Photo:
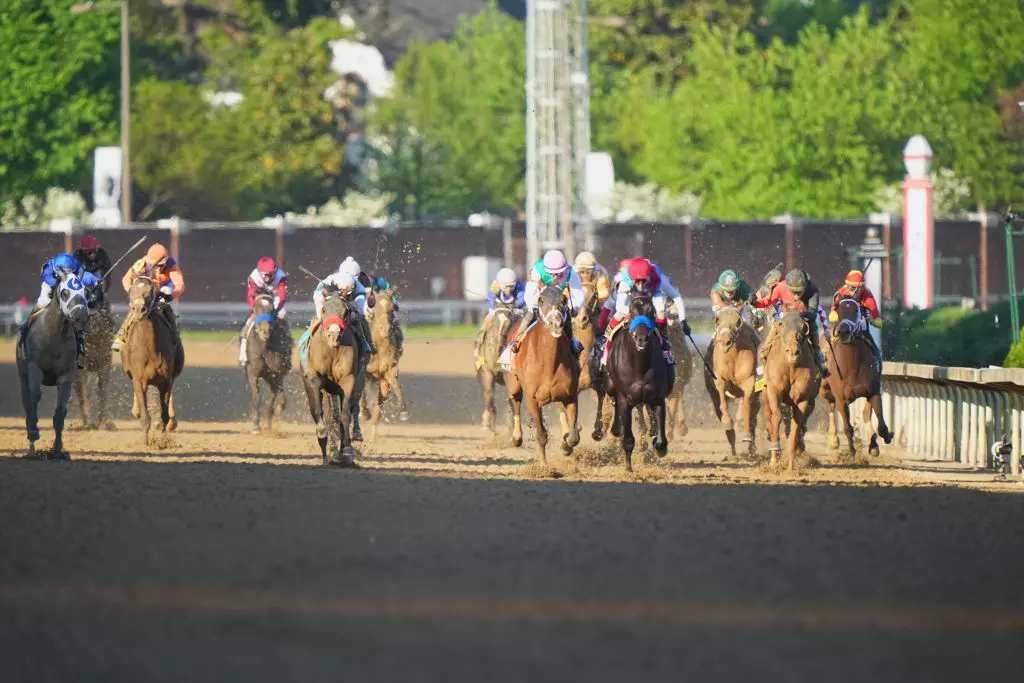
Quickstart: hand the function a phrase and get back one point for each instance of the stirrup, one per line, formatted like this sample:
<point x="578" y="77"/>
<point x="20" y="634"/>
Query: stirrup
<point x="760" y="384"/>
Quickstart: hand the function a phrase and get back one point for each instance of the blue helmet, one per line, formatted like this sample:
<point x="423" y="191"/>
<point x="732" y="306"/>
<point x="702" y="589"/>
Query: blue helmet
<point x="65" y="262"/>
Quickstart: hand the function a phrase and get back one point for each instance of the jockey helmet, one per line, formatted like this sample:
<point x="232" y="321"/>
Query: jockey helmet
<point x="156" y="255"/>
<point x="266" y="266"/>
<point x="855" y="278"/>
<point x="506" y="278"/>
<point x="639" y="271"/>
<point x="555" y="263"/>
<point x="585" y="261"/>
<point x="796" y="281"/>
<point x="346" y="283"/>
<point x="624" y="264"/>
<point x="773" y="277"/>
<point x="65" y="263"/>
<point x="729" y="281"/>
<point x="90" y="242"/>
<point x="350" y="267"/>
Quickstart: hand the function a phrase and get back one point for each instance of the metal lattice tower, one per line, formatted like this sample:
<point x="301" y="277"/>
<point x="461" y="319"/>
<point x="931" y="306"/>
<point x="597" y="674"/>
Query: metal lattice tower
<point x="557" y="127"/>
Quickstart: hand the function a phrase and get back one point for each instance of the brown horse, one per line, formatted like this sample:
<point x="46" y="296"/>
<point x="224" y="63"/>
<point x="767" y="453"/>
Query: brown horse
<point x="791" y="379"/>
<point x="152" y="354"/>
<point x="383" y="367"/>
<point x="545" y="370"/>
<point x="853" y="376"/>
<point x="99" y="333"/>
<point x="675" y="412"/>
<point x="495" y="339"/>
<point x="329" y="357"/>
<point x="732" y="354"/>
<point x="268" y="358"/>
<point x="584" y="325"/>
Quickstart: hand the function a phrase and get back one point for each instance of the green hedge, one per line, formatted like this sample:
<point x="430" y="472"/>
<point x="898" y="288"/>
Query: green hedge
<point x="949" y="336"/>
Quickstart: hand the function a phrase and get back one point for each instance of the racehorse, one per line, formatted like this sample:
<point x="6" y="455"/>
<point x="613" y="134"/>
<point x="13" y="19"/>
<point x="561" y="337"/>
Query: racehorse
<point x="330" y="363"/>
<point x="99" y="333"/>
<point x="383" y="367"/>
<point x="545" y="370"/>
<point x="675" y="412"/>
<point x="791" y="379"/>
<point x="495" y="339"/>
<point x="47" y="356"/>
<point x="859" y="378"/>
<point x="732" y="354"/>
<point x="638" y="375"/>
<point x="152" y="354"/>
<point x="584" y="329"/>
<point x="268" y="357"/>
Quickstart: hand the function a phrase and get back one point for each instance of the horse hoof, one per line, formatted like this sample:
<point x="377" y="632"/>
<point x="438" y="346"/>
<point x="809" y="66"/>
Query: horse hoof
<point x="748" y="438"/>
<point x="256" y="429"/>
<point x="108" y="425"/>
<point x="874" y="451"/>
<point x="661" y="449"/>
<point x="403" y="416"/>
<point x="58" y="455"/>
<point x="517" y="442"/>
<point x="321" y="430"/>
<point x="33" y="454"/>
<point x="172" y="425"/>
<point x="566" y="450"/>
<point x="597" y="435"/>
<point x="357" y="434"/>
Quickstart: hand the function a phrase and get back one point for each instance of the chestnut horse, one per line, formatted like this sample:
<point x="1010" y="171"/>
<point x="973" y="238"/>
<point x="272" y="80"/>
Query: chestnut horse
<point x="733" y="357"/>
<point x="383" y="366"/>
<point x="859" y="378"/>
<point x="584" y="325"/>
<point x="152" y="355"/>
<point x="791" y="379"/>
<point x="545" y="370"/>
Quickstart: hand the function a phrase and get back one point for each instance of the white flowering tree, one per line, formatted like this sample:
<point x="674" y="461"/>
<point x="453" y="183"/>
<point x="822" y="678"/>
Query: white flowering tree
<point x="356" y="209"/>
<point x="951" y="197"/>
<point x="649" y="202"/>
<point x="35" y="213"/>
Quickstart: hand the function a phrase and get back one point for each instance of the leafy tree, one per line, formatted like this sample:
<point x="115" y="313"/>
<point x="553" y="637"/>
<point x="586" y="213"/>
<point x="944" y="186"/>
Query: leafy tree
<point x="60" y="97"/>
<point x="454" y="125"/>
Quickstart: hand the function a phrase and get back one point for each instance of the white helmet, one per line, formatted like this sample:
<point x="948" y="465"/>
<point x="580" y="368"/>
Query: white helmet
<point x="506" y="277"/>
<point x="345" y="282"/>
<point x="350" y="267"/>
<point x="585" y="261"/>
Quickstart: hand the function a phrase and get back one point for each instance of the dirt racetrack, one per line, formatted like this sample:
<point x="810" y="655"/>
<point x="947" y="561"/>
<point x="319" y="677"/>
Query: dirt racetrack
<point x="230" y="556"/>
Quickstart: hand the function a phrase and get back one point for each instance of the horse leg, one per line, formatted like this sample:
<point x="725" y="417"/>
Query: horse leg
<point x="61" y="412"/>
<point x="774" y="416"/>
<point x="364" y="403"/>
<point x="567" y="412"/>
<point x="383" y="391"/>
<point x="752" y="405"/>
<point x="538" y="425"/>
<point x="78" y="385"/>
<point x="31" y="392"/>
<point x="358" y="387"/>
<point x="396" y="385"/>
<point x="624" y="417"/>
<point x="723" y="404"/>
<point x="671" y="409"/>
<point x="143" y="409"/>
<point x="254" y="398"/>
<point x="172" y="422"/>
<point x="102" y="377"/>
<point x="680" y="412"/>
<point x="598" y="432"/>
<point x="616" y="417"/>
<point x="658" y="423"/>
<point x="515" y="408"/>
<point x="883" y="428"/>
<point x="165" y="410"/>
<point x="343" y="416"/>
<point x="833" y="433"/>
<point x="314" y="398"/>
<point x="487" y="387"/>
<point x="844" y="412"/>
<point x="642" y="419"/>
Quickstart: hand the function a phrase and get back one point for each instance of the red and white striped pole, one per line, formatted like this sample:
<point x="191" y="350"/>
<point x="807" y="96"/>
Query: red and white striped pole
<point x="918" y="224"/>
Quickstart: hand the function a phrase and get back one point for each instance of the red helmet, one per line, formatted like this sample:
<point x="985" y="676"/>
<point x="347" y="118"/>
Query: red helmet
<point x="90" y="242"/>
<point x="266" y="265"/>
<point x="639" y="269"/>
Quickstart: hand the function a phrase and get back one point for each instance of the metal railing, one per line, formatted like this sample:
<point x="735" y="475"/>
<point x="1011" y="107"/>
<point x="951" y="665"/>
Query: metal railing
<point x="955" y="414"/>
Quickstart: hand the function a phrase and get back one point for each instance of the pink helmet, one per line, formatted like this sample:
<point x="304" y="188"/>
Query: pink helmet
<point x="555" y="263"/>
<point x="266" y="265"/>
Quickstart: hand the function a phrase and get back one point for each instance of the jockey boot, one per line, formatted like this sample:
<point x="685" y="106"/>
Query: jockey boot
<point x="80" y="348"/>
<point x="819" y="357"/>
<point x="576" y="344"/>
<point x="126" y="326"/>
<point x="367" y="334"/>
<point x="531" y="315"/>
<point x="875" y="351"/>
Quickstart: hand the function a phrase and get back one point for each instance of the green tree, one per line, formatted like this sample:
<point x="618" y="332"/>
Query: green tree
<point x="454" y="125"/>
<point x="60" y="97"/>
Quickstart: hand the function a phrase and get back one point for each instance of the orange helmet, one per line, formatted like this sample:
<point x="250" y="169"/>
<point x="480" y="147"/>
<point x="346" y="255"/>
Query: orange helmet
<point x="156" y="255"/>
<point x="855" y="278"/>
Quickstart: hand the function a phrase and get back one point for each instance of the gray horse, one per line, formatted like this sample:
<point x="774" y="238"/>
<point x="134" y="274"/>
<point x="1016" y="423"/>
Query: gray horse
<point x="47" y="356"/>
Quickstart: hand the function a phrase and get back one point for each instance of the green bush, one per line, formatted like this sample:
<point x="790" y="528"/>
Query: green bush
<point x="1015" y="357"/>
<point x="948" y="336"/>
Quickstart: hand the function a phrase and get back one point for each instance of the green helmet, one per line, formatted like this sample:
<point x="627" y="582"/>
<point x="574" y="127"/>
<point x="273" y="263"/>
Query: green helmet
<point x="796" y="281"/>
<point x="729" y="281"/>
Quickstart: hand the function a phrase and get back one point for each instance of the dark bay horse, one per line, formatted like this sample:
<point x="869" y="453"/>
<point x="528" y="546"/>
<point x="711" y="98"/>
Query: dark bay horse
<point x="47" y="355"/>
<point x="152" y="355"/>
<point x="791" y="380"/>
<point x="859" y="378"/>
<point x="330" y="363"/>
<point x="545" y="370"/>
<point x="495" y="339"/>
<point x="638" y="375"/>
<point x="733" y="357"/>
<point x="99" y="333"/>
<point x="268" y="357"/>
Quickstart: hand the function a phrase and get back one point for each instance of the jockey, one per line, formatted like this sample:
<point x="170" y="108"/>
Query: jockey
<point x="355" y="293"/>
<point x="553" y="269"/>
<point x="609" y="303"/>
<point x="158" y="265"/>
<point x="795" y="293"/>
<point x="644" y="276"/>
<point x="506" y="291"/>
<point x="730" y="290"/>
<point x="854" y="288"/>
<point x="265" y="279"/>
<point x="55" y="270"/>
<point x="592" y="272"/>
<point x="94" y="259"/>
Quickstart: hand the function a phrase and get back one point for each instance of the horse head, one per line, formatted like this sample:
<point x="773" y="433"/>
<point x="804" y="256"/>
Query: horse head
<point x="849" y="320"/>
<point x="728" y="323"/>
<point x="552" y="309"/>
<point x="641" y="320"/>
<point x="795" y="331"/>
<point x="585" y="315"/>
<point x="335" y="316"/>
<point x="264" y="316"/>
<point x="71" y="296"/>
<point x="141" y="295"/>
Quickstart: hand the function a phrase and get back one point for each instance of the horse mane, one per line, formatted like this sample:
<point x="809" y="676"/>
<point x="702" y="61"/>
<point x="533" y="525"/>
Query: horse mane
<point x="728" y="317"/>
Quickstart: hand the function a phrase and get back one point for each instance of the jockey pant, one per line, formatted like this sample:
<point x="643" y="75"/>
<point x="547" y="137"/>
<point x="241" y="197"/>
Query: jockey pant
<point x="45" y="295"/>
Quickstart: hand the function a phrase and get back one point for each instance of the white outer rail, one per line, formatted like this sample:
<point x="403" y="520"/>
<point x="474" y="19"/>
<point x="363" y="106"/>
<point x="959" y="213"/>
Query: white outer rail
<point x="954" y="414"/>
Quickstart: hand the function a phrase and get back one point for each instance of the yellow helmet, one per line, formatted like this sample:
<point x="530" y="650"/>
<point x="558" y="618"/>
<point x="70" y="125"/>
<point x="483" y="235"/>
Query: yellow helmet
<point x="585" y="261"/>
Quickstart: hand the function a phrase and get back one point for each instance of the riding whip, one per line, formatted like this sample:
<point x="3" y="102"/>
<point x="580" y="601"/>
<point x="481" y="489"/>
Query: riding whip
<point x="130" y="249"/>
<point x="707" y="366"/>
<point x="778" y="267"/>
<point x="310" y="273"/>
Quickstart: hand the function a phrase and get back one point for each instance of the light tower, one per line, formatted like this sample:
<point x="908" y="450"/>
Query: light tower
<point x="557" y="126"/>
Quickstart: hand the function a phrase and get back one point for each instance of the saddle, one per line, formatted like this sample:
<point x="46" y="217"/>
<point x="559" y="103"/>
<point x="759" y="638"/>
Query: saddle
<point x="507" y="359"/>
